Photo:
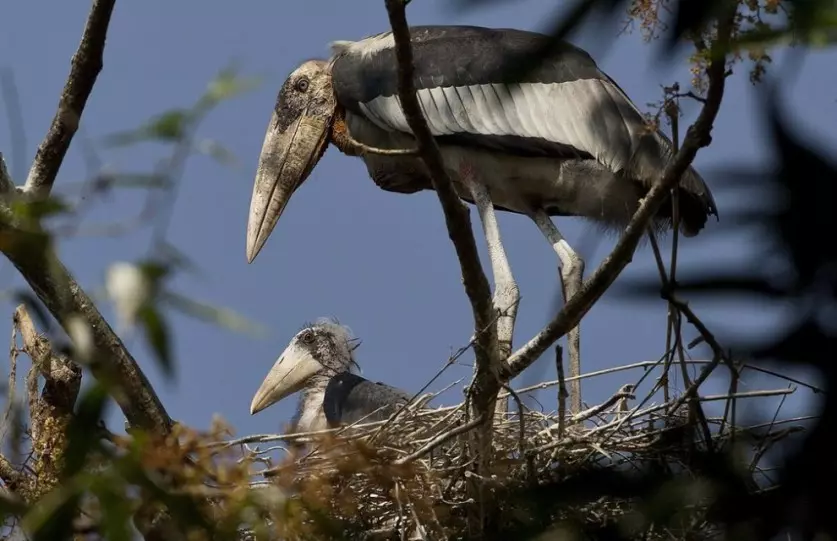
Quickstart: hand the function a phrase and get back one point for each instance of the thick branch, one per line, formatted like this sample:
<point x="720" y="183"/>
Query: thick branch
<point x="111" y="363"/>
<point x="697" y="136"/>
<point x="84" y="69"/>
<point x="456" y="214"/>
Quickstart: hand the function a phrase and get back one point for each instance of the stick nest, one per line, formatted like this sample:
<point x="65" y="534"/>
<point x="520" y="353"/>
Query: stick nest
<point x="412" y="477"/>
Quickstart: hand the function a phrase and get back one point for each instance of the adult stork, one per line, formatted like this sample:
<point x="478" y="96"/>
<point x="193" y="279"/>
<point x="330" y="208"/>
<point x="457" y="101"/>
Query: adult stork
<point x="317" y="361"/>
<point x="564" y="141"/>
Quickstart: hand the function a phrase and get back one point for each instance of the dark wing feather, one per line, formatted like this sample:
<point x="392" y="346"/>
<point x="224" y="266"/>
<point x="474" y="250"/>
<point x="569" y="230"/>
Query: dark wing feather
<point x="349" y="398"/>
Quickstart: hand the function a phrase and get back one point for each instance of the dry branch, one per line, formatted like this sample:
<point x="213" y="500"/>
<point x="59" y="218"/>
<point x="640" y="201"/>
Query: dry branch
<point x="420" y="451"/>
<point x="486" y="383"/>
<point x="85" y="67"/>
<point x="456" y="213"/>
<point x="51" y="413"/>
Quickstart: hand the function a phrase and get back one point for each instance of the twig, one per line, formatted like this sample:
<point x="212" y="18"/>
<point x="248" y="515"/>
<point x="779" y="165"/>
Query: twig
<point x="12" y="387"/>
<point x="624" y="392"/>
<point x="562" y="391"/>
<point x="85" y="67"/>
<point x="697" y="136"/>
<point x="439" y="440"/>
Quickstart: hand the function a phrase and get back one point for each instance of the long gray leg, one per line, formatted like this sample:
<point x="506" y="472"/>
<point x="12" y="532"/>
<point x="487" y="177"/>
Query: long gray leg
<point x="506" y="292"/>
<point x="572" y="272"/>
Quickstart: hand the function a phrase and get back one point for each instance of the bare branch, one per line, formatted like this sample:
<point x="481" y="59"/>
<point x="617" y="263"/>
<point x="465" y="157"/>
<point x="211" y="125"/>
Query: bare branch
<point x="51" y="414"/>
<point x="62" y="376"/>
<point x="697" y="136"/>
<point x="84" y="69"/>
<point x="111" y="362"/>
<point x="439" y="440"/>
<point x="457" y="217"/>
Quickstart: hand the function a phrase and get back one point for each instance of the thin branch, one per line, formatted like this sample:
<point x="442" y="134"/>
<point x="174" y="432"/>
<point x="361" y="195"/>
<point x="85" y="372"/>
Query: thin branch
<point x="562" y="391"/>
<point x="84" y="69"/>
<point x="439" y="440"/>
<point x="697" y="136"/>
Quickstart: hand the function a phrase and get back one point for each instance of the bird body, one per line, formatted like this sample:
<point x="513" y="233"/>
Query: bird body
<point x="317" y="362"/>
<point x="565" y="140"/>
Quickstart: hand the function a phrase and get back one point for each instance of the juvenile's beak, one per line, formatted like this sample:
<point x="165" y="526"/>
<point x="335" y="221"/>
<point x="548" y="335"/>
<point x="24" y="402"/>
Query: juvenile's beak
<point x="293" y="368"/>
<point x="287" y="158"/>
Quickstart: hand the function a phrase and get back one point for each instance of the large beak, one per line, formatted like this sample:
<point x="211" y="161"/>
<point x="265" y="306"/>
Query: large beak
<point x="286" y="160"/>
<point x="293" y="368"/>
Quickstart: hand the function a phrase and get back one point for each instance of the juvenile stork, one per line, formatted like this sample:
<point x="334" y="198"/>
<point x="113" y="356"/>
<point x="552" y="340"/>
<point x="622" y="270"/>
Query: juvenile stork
<point x="317" y="361"/>
<point x="564" y="141"/>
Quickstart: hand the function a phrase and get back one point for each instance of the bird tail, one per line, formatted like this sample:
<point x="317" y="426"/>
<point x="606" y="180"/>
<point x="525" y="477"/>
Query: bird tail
<point x="696" y="202"/>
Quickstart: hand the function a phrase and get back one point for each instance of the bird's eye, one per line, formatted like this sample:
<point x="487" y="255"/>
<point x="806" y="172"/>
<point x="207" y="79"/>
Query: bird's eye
<point x="302" y="85"/>
<point x="307" y="337"/>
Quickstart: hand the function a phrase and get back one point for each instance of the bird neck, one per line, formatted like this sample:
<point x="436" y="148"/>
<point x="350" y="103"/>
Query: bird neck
<point x="340" y="135"/>
<point x="310" y="416"/>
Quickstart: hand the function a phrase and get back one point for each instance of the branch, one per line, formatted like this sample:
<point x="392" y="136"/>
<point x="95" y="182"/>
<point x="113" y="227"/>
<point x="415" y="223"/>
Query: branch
<point x="84" y="69"/>
<point x="697" y="136"/>
<point x="32" y="255"/>
<point x="111" y="362"/>
<point x="62" y="376"/>
<point x="51" y="414"/>
<point x="7" y="185"/>
<point x="456" y="214"/>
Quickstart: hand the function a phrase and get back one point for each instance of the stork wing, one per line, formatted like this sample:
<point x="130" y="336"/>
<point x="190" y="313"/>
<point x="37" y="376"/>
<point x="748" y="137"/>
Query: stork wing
<point x="566" y="107"/>
<point x="350" y="398"/>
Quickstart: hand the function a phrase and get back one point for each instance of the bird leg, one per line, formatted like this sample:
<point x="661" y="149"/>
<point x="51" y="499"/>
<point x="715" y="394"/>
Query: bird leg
<point x="572" y="271"/>
<point x="506" y="292"/>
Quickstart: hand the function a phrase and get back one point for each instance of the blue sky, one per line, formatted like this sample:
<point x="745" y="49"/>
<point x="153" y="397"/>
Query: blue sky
<point x="381" y="263"/>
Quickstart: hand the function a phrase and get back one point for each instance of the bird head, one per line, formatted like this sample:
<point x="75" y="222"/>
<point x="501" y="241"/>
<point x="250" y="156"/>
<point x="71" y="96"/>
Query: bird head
<point x="296" y="139"/>
<point x="318" y="351"/>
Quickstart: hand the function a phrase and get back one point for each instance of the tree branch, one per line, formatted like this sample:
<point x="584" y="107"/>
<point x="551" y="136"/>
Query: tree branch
<point x="84" y="69"/>
<point x="50" y="415"/>
<point x="62" y="376"/>
<point x="697" y="136"/>
<point x="486" y="383"/>
<point x="111" y="362"/>
<point x="456" y="214"/>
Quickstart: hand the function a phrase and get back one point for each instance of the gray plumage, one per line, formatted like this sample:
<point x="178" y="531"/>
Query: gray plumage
<point x="317" y="362"/>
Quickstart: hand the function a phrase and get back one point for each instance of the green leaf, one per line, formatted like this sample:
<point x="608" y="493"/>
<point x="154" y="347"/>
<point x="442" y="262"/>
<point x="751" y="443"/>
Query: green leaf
<point x="223" y="317"/>
<point x="116" y="508"/>
<point x="36" y="209"/>
<point x="154" y="270"/>
<point x="157" y="335"/>
<point x="227" y="84"/>
<point x="169" y="126"/>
